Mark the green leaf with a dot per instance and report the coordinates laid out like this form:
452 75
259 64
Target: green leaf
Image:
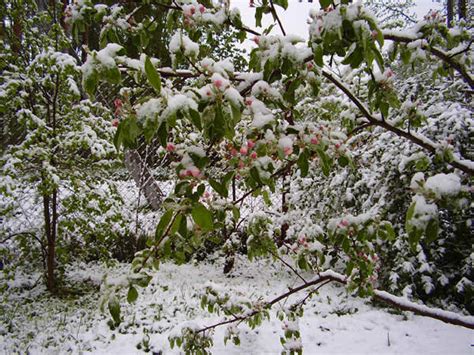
112 75
132 294
236 114
195 118
326 162
163 224
90 82
410 212
152 75
386 231
255 175
219 188
325 3
176 224
432 230
235 213
203 217
318 55
183 227
258 16
343 160
163 134
114 309
282 3
219 123
303 163
118 136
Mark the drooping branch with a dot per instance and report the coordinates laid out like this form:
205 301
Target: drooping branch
394 301
422 310
437 52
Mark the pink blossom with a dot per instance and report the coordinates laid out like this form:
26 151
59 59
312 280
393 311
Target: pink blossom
243 150
388 73
338 145
241 164
115 122
248 101
288 150
218 83
233 152
193 171
314 140
256 39
202 9
118 103
344 223
170 147
253 155
310 65
250 144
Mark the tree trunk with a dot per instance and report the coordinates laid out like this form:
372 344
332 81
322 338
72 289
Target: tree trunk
462 9
143 178
450 12
51 244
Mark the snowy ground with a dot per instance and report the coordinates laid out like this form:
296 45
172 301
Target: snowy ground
334 322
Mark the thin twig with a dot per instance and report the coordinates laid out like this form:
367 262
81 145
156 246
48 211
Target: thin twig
288 265
275 16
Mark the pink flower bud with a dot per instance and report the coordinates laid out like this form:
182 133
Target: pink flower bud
374 34
233 152
243 150
202 9
241 164
192 10
218 83
193 171
170 147
288 150
250 144
256 39
115 122
338 145
314 140
344 223
248 101
253 155
310 66
118 103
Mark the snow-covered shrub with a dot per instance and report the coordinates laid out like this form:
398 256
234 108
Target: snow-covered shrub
57 199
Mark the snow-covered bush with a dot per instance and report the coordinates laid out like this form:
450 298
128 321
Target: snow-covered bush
56 199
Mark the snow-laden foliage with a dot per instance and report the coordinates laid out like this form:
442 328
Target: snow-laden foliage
54 174
365 142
